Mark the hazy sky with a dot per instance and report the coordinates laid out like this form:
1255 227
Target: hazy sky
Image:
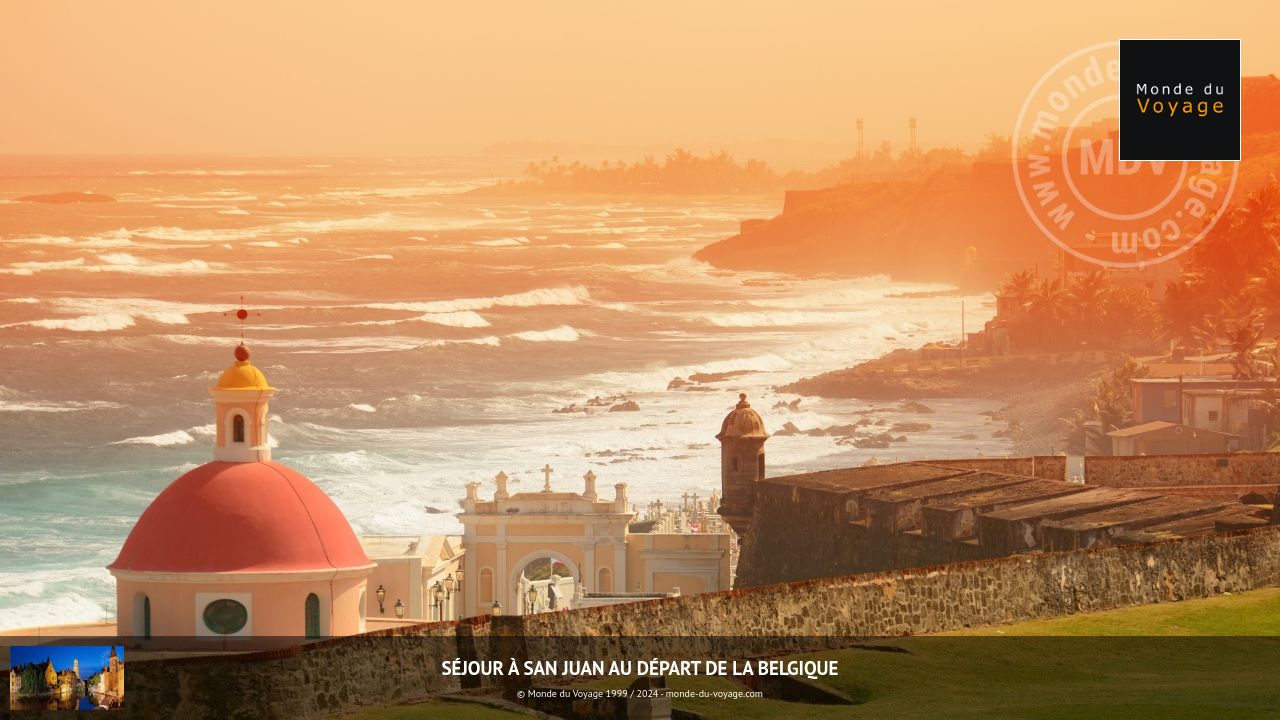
412 78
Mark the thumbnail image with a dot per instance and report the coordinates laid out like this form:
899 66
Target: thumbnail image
66 677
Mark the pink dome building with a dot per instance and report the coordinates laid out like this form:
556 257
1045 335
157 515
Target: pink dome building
241 546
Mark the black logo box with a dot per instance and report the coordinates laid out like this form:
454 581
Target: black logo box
1187 68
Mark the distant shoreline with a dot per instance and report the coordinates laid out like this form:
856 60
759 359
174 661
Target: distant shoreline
1034 394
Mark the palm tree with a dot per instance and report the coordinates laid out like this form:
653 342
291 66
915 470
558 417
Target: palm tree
1240 324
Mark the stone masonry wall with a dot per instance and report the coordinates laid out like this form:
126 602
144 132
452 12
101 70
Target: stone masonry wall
1155 471
339 675
1048 467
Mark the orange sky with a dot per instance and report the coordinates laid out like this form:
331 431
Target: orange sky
415 78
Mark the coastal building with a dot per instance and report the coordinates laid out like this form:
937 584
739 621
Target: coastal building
1160 398
536 551
1165 438
411 571
241 546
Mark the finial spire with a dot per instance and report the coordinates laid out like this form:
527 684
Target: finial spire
241 314
742 401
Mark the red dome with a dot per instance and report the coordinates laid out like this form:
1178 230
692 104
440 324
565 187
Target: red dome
241 517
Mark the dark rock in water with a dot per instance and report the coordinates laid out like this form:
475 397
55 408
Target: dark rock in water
678 383
874 442
910 427
67 198
915 407
717 377
967 436
628 406
788 428
842 430
598 401
570 408
432 510
793 406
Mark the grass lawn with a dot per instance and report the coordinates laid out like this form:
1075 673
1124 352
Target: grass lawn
435 710
1172 661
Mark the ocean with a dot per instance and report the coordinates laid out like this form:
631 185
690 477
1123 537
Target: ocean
422 328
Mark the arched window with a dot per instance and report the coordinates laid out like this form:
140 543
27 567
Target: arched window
313 616
364 611
142 616
486 589
605 584
237 429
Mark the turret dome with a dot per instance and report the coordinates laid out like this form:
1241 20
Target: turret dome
742 422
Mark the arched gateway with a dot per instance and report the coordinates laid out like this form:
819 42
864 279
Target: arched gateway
503 537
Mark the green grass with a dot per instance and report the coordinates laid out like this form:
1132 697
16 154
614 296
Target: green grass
1252 613
1174 661
435 710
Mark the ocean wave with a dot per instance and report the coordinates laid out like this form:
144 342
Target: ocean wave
519 241
363 407
782 318
177 437
372 257
575 295
233 211
564 333
461 319
55 407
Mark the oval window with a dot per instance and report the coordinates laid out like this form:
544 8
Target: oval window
225 616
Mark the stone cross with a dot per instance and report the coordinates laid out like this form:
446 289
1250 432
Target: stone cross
685 497
546 472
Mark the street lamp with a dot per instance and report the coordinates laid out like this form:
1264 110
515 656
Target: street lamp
459 588
496 610
438 591
399 608
448 595
382 599
530 597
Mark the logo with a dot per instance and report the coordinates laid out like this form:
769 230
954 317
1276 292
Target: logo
1095 206
1180 100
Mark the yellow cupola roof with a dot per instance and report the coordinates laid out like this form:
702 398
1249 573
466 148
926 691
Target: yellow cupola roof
242 375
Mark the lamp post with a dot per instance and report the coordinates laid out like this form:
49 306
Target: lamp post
448 595
496 610
530 597
382 599
438 591
399 608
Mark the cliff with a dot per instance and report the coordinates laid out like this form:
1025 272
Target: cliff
963 225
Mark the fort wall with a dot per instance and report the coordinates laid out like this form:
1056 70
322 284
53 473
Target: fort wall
1223 476
342 674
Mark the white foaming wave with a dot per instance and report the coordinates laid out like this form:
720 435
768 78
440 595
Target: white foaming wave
233 211
55 407
105 314
824 294
784 318
23 300
363 407
519 241
63 609
610 246
205 235
564 333
170 439
265 243
461 318
371 257
656 379
110 239
575 295
115 263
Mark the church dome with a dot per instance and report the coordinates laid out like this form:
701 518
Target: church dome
742 422
242 375
241 517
